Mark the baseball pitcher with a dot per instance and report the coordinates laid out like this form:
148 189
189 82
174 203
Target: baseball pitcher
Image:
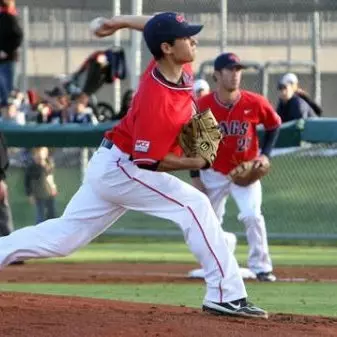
128 171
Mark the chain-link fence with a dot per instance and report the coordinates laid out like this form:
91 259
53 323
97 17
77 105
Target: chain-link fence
298 195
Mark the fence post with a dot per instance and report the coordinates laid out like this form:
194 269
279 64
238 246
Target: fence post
84 160
67 44
245 28
289 37
25 47
223 25
116 10
315 46
51 27
136 40
265 79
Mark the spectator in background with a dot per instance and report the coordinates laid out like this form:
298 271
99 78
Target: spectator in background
6 221
21 101
44 112
10 39
40 185
290 106
12 114
18 98
32 99
126 102
6 226
293 80
201 88
80 112
58 102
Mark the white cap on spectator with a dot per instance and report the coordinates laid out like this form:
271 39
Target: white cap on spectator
200 85
289 78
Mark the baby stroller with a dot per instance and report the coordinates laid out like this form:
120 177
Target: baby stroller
101 67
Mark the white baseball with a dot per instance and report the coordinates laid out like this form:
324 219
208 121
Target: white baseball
97 23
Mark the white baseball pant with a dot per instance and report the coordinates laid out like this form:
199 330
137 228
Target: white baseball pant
113 185
248 199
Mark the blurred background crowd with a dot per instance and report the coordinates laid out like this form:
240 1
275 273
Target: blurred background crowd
73 99
57 107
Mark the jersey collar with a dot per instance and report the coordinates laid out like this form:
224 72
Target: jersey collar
158 76
227 106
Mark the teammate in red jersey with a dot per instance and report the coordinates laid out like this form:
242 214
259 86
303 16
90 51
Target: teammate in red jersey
239 112
127 172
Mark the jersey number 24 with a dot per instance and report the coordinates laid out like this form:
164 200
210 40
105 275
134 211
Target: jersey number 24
243 144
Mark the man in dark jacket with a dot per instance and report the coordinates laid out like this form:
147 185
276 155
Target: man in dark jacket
10 40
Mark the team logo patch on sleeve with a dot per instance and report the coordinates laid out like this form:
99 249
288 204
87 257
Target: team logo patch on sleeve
142 146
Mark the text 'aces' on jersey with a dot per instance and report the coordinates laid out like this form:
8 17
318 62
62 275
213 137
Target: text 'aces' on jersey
238 124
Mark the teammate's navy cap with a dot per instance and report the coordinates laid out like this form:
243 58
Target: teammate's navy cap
166 27
228 61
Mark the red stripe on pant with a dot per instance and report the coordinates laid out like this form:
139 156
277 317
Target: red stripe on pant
181 205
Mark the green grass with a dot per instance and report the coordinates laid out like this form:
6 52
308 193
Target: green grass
299 197
178 252
307 298
300 298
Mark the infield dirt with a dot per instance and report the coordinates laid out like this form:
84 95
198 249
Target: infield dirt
23 315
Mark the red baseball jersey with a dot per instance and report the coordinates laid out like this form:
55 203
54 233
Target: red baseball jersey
238 124
158 111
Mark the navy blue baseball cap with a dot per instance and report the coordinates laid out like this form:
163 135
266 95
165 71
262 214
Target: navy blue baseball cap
166 27
228 61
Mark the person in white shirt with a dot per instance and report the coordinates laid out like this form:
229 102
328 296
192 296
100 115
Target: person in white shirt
201 88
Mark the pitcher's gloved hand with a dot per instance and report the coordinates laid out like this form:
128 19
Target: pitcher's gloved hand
201 136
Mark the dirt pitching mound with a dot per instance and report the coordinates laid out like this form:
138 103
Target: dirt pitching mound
24 315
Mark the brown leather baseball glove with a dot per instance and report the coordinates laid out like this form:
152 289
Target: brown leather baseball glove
248 172
201 137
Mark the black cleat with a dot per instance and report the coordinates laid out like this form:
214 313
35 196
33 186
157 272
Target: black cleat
266 277
239 308
17 263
